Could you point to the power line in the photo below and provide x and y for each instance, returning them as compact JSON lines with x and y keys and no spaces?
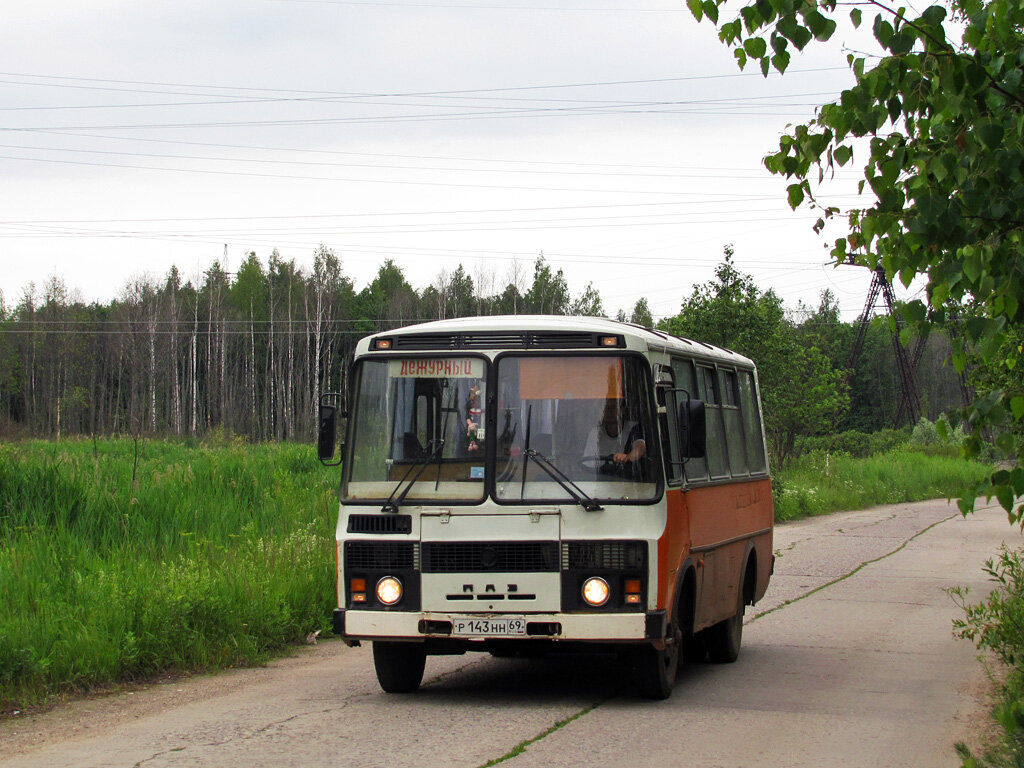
{"x":337,"y":179}
{"x":322,"y":164}
{"x":471,"y":6}
{"x":373,"y":214}
{"x":446,"y":158}
{"x":450,"y":92}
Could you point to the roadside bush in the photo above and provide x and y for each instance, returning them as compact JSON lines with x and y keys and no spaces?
{"x":854,"y":443}
{"x":996,"y":624}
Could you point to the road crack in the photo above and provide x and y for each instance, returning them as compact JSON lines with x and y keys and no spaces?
{"x":521,"y":747}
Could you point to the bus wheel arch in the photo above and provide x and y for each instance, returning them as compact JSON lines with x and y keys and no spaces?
{"x":749,"y":583}
{"x":694,"y":648}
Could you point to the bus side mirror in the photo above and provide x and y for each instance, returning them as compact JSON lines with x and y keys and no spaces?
{"x":327,"y":431}
{"x":692,"y":429}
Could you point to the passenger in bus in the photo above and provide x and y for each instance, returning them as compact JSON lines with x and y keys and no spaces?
{"x":617,"y":440}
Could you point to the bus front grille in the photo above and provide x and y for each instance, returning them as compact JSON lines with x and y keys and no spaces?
{"x":380,"y":555}
{"x":613,"y":555}
{"x":379,"y":523}
{"x":483,"y":557}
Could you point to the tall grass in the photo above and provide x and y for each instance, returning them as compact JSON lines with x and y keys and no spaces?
{"x":212,"y":557}
{"x":818,"y":482}
{"x":201,"y":557}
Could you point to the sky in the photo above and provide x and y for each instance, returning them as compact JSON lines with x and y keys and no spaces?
{"x":616,"y":137}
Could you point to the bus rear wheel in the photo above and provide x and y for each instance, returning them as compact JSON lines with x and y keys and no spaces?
{"x":723,"y":639}
{"x":399,"y":666}
{"x":657,"y":668}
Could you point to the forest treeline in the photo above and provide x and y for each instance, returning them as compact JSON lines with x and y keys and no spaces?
{"x":249,"y":353}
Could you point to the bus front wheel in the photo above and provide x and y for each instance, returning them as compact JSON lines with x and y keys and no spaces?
{"x":657,"y":668}
{"x":399,"y":666}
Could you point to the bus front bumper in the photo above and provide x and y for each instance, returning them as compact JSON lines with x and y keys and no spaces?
{"x":595,"y":627}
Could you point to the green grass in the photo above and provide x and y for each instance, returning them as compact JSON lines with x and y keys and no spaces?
{"x":819,"y":483}
{"x":215,"y":557}
{"x":203,"y":557}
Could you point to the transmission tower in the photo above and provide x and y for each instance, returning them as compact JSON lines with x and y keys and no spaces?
{"x":909,"y":406}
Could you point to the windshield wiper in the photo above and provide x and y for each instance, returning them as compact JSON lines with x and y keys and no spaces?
{"x":577,"y":493}
{"x":391,"y":505}
{"x":553,"y":472}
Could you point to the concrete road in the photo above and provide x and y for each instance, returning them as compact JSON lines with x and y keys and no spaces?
{"x":848,"y":661}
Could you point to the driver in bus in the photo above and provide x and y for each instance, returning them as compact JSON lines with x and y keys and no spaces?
{"x":617,"y":439}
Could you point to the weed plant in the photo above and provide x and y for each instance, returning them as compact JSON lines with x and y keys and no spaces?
{"x":115,"y":568}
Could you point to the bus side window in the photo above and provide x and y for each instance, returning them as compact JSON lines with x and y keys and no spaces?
{"x":717,"y":461}
{"x":753,"y":437}
{"x":734,"y":434}
{"x":695,"y":470}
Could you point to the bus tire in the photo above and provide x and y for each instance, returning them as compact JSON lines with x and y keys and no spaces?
{"x":657,"y":668}
{"x":695,"y":648}
{"x":723,"y":639}
{"x":399,"y":666}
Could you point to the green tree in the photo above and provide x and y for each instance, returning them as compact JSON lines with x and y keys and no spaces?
{"x":461,"y":294}
{"x":802,"y":393}
{"x":588,"y":303}
{"x":248,"y":293}
{"x":732,"y":312}
{"x":641,"y":314}
{"x":939,"y":119}
{"x":388,"y":301}
{"x":549,"y":294}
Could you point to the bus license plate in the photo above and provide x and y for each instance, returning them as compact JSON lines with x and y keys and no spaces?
{"x":489,"y":627}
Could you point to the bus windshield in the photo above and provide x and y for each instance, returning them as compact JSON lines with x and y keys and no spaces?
{"x":588,"y":416}
{"x":420,"y":430}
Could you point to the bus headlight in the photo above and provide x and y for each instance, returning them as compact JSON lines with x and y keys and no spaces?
{"x":389,"y":590}
{"x":596,"y":591}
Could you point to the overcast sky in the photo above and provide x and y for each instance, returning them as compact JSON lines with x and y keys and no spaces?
{"x":617,"y":137}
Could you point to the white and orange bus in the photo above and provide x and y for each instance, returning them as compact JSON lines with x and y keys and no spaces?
{"x":520,"y":484}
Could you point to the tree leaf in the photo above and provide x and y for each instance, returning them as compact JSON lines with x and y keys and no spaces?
{"x":883,"y":30}
{"x":755,"y":46}
{"x":796,"y":195}
{"x":1017,"y":407}
{"x":934,"y":15}
{"x":991,"y":133}
{"x":780,"y":61}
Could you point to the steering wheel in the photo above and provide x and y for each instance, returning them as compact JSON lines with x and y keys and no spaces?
{"x":598,"y":462}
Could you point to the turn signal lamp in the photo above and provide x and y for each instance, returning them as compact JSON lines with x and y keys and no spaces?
{"x":357,"y":588}
{"x":596,"y":591}
{"x":609,"y":341}
{"x":633,"y":590}
{"x":382,"y":344}
{"x":389,"y":590}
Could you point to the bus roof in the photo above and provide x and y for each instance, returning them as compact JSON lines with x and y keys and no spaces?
{"x":539,"y":332}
